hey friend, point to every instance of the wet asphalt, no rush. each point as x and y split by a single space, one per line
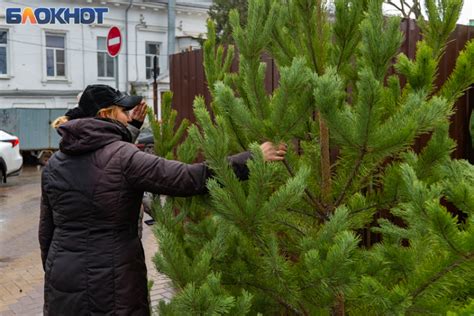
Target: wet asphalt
21 273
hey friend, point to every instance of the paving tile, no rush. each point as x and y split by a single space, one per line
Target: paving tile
21 280
25 300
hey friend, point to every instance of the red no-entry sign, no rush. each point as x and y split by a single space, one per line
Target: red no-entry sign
114 41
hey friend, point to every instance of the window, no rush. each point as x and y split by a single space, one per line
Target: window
105 63
3 52
55 55
152 49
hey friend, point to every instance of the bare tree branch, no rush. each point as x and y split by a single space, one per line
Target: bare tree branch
406 8
399 8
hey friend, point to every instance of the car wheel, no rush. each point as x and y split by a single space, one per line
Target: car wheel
3 173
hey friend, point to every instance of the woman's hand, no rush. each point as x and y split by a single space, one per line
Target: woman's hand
139 112
272 152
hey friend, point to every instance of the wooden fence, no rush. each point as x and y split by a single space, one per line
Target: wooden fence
188 81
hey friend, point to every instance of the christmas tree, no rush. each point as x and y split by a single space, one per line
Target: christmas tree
288 241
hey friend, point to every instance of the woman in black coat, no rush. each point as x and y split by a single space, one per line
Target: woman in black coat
91 194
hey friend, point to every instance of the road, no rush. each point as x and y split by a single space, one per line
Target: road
21 273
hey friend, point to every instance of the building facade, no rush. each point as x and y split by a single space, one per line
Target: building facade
46 66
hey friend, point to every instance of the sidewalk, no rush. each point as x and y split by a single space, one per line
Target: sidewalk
161 289
21 273
21 280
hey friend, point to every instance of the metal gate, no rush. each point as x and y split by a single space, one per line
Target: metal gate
32 127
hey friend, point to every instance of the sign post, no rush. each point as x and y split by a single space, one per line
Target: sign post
156 72
114 44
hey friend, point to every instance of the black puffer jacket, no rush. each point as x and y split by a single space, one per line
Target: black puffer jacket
91 193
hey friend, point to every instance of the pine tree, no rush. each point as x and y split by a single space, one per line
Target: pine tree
287 241
167 134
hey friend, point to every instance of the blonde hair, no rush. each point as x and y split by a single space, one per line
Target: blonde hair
110 112
59 121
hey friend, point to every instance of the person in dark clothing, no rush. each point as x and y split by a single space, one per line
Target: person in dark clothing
91 194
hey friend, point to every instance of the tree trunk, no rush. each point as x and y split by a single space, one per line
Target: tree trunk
338 309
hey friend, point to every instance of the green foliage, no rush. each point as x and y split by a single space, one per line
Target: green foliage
421 72
165 135
255 36
314 32
462 76
286 111
347 35
442 18
434 266
435 153
463 311
208 299
377 50
215 65
271 244
219 14
458 184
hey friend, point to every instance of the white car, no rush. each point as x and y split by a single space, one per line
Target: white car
11 160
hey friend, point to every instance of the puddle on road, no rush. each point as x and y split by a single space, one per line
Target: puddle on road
6 259
19 195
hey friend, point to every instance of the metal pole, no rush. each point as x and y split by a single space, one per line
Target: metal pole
156 71
117 72
171 29
126 44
